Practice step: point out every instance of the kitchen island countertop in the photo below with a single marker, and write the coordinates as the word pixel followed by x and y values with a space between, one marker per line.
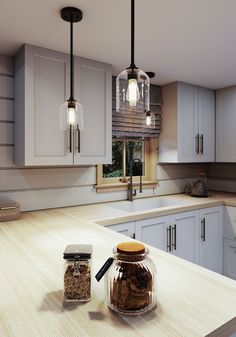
pixel 192 301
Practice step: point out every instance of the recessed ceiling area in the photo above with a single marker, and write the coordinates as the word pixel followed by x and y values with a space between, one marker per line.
pixel 185 40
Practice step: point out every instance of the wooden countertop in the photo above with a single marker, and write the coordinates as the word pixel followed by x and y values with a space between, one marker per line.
pixel 192 301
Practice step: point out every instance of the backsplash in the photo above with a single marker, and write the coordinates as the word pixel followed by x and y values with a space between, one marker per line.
pixel 222 177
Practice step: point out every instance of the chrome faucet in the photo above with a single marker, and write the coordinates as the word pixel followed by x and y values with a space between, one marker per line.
pixel 132 192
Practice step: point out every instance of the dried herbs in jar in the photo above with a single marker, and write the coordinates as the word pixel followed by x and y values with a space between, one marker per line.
pixel 131 280
pixel 77 275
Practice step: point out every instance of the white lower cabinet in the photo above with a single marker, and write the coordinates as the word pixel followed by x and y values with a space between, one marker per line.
pixel 229 220
pixel 196 236
pixel 230 258
pixel 127 228
pixel 211 244
pixel 153 231
pixel 185 239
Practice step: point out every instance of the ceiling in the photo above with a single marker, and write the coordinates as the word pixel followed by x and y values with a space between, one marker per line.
pixel 186 40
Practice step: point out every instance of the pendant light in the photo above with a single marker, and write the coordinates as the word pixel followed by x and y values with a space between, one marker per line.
pixel 148 120
pixel 133 84
pixel 71 111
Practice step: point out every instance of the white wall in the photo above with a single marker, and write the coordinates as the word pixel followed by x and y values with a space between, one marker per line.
pixel 39 188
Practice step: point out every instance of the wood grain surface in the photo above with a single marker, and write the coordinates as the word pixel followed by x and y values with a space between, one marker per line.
pixel 192 301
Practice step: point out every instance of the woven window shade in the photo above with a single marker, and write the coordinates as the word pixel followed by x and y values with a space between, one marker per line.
pixel 129 124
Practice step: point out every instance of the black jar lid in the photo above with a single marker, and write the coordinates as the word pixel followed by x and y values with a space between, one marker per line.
pixel 78 252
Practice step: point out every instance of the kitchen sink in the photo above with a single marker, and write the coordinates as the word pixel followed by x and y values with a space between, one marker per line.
pixel 146 204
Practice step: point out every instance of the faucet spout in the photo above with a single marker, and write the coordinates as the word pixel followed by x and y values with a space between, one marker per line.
pixel 132 192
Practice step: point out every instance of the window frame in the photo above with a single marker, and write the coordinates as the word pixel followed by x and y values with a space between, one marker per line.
pixel 121 183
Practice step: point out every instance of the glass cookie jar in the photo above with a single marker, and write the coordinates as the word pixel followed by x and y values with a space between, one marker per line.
pixel 131 280
pixel 77 273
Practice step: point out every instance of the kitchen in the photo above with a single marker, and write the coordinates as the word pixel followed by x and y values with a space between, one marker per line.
pixel 63 181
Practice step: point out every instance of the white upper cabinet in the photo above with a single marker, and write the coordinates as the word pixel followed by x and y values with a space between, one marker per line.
pixel 225 125
pixel 188 133
pixel 95 93
pixel 41 86
pixel 206 119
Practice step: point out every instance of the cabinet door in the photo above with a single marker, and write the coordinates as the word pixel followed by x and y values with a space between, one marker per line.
pixel 187 123
pixel 153 231
pixel 206 113
pixel 211 235
pixel 41 87
pixel 225 125
pixel 185 242
pixel 96 98
pixel 230 258
pixel 127 228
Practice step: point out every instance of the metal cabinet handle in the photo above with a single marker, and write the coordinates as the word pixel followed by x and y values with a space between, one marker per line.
pixel 201 142
pixel 203 229
pixel 78 140
pixel 168 239
pixel 233 247
pixel 70 139
pixel 197 143
pixel 174 237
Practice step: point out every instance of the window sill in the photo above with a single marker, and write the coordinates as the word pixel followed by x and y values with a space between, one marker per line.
pixel 123 186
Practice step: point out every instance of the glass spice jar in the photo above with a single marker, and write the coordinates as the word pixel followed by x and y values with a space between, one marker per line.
pixel 77 273
pixel 131 280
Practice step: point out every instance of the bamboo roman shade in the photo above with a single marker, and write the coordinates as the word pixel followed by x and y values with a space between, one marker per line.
pixel 130 124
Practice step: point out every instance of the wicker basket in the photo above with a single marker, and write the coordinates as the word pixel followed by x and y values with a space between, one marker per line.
pixel 9 211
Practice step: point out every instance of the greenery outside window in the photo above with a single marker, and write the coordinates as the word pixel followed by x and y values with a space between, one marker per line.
pixel 115 175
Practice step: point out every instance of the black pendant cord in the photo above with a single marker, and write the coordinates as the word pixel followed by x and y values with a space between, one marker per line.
pixel 71 15
pixel 132 65
pixel 71 63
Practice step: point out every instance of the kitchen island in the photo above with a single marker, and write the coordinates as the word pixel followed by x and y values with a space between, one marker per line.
pixel 192 301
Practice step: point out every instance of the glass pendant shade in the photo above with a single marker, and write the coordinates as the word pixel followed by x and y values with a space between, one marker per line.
pixel 148 120
pixel 133 90
pixel 71 115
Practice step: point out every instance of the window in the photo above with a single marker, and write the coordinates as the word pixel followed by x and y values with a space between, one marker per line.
pixel 115 175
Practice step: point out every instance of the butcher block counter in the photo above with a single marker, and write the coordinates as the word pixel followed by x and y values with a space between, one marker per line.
pixel 192 301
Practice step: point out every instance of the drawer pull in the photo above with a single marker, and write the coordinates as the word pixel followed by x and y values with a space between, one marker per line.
pixel 174 237
pixel 197 144
pixel 201 141
pixel 7 207
pixel 168 239
pixel 203 229
pixel 70 139
pixel 78 139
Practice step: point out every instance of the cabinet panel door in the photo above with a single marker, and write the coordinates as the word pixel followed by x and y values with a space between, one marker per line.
pixel 230 258
pixel 47 88
pixel 96 98
pixel 206 112
pixel 225 125
pixel 211 249
pixel 187 128
pixel 153 231
pixel 127 228
pixel 186 242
